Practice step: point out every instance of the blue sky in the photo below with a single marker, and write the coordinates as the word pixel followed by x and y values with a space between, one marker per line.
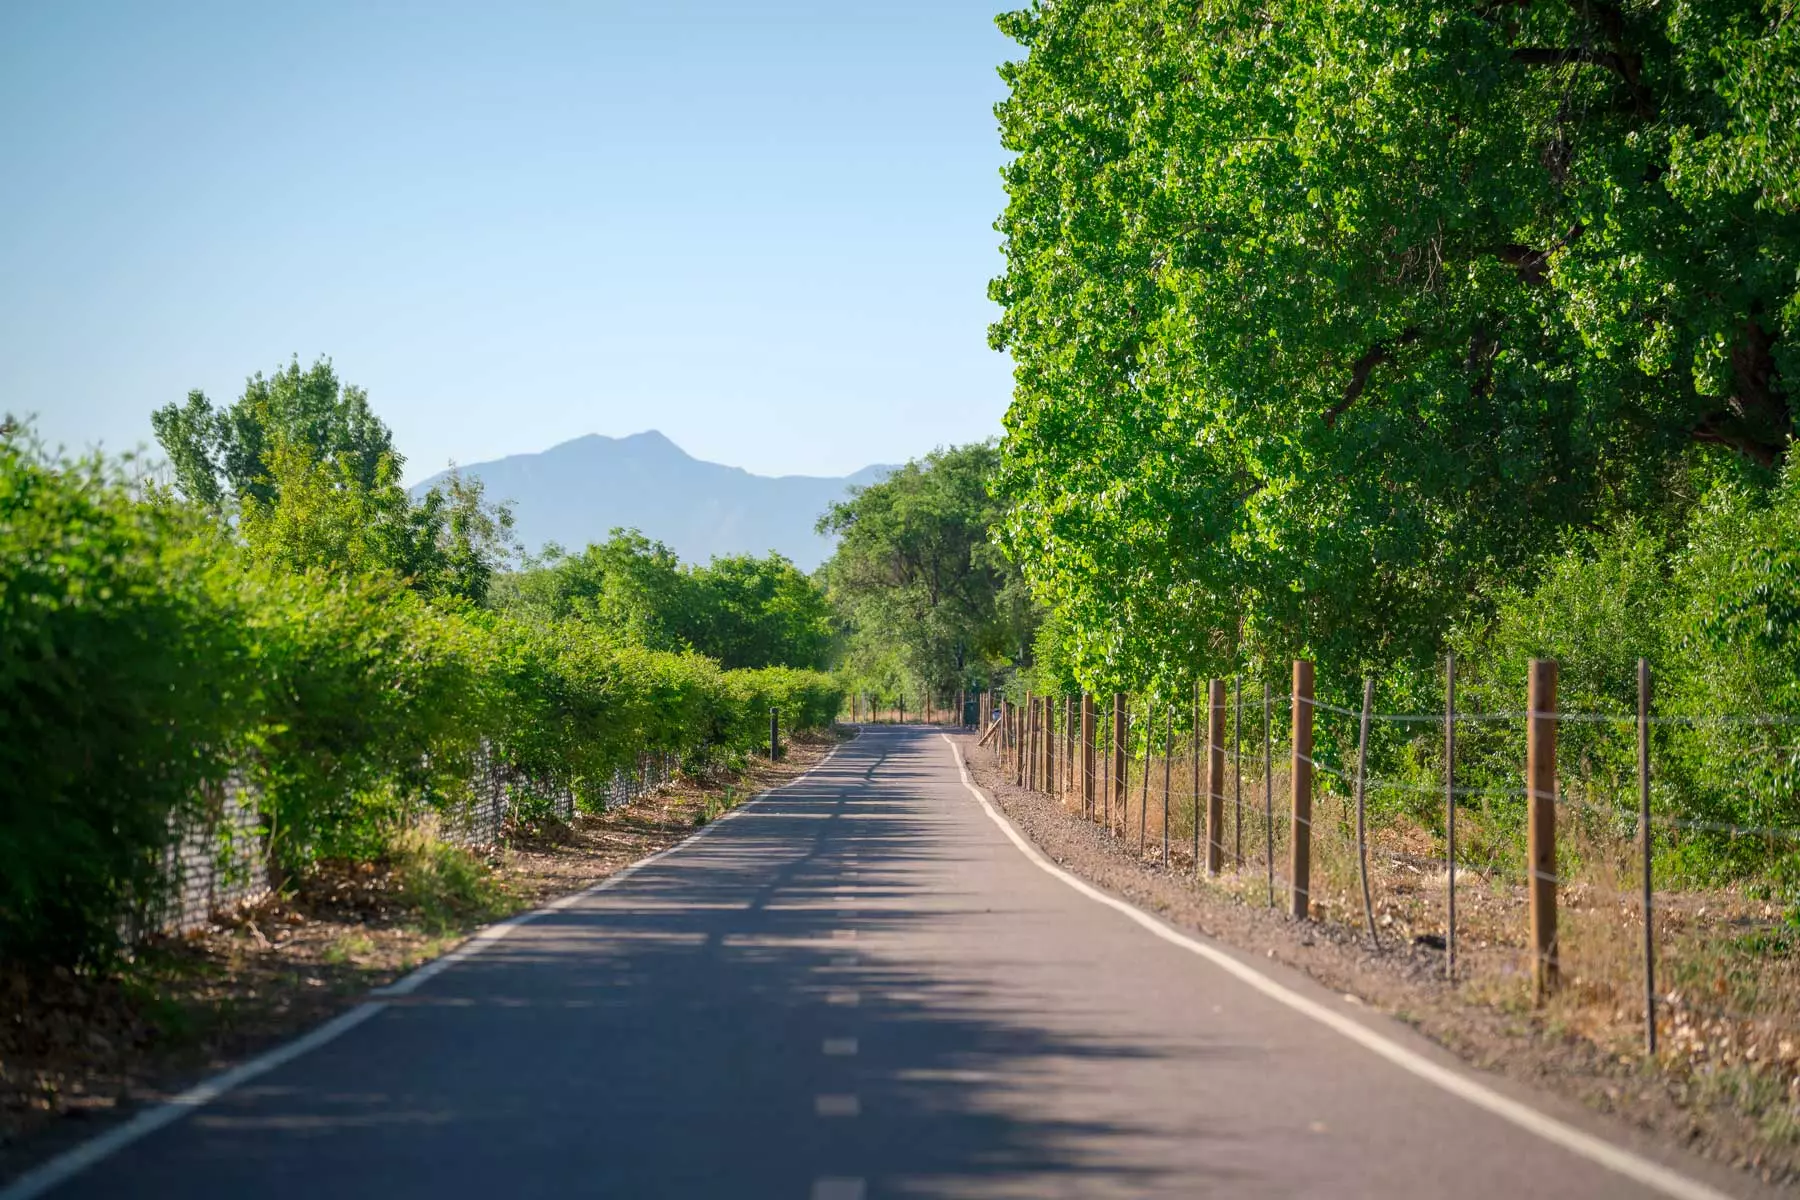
pixel 763 228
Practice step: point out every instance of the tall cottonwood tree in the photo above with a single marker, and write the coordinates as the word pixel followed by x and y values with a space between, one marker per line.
pixel 1326 313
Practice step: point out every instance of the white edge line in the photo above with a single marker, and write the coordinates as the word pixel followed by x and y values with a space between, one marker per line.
pixel 70 1163
pixel 1596 1150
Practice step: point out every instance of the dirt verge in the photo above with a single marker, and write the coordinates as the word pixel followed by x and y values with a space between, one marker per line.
pixel 79 1051
pixel 1405 980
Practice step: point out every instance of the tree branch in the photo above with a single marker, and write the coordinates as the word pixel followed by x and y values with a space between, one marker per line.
pixel 1360 370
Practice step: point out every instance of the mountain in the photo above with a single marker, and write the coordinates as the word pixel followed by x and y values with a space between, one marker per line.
pixel 578 492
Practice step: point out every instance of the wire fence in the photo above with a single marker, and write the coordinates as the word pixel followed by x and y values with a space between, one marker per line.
pixel 1448 868
pixel 218 855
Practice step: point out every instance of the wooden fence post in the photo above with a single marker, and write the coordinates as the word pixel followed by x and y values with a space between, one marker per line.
pixel 1049 745
pixel 1540 787
pixel 774 734
pixel 1300 857
pixel 1215 776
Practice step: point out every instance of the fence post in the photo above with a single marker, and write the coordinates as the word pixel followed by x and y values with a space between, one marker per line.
pixel 1362 826
pixel 1269 791
pixel 1144 793
pixel 1087 755
pixel 774 734
pixel 1168 765
pixel 1032 704
pixel 1115 801
pixel 1049 771
pixel 1199 724
pixel 1071 726
pixel 1643 732
pixel 1215 776
pixel 1450 810
pixel 1300 863
pixel 1237 769
pixel 1540 786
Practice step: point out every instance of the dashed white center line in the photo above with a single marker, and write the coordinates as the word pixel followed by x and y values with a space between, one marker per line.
pixel 842 996
pixel 837 1104
pixel 838 1189
pixel 843 935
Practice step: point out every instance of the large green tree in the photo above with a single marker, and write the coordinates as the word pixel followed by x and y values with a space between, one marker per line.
pixel 1326 315
pixel 315 479
pixel 928 595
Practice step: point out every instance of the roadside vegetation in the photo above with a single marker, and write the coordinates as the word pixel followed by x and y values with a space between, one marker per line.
pixel 285 613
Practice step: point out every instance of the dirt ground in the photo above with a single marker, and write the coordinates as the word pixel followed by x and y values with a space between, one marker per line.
pixel 79 1052
pixel 1719 1112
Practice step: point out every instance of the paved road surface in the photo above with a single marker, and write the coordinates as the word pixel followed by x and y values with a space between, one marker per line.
pixel 858 987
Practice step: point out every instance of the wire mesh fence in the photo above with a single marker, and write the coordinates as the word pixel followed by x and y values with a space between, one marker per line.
pixel 218 856
pixel 1439 864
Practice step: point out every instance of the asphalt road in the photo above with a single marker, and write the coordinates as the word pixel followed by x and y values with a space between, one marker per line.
pixel 857 987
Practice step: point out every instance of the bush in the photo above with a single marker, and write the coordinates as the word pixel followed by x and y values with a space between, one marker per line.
pixel 124 679
pixel 144 656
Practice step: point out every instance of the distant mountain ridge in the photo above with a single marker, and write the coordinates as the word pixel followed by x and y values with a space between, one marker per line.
pixel 577 492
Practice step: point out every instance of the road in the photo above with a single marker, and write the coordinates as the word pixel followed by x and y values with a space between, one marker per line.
pixel 857 987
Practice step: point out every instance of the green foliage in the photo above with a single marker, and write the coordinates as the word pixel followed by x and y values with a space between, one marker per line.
pixel 741 610
pixel 929 599
pixel 1714 615
pixel 147 651
pixel 1329 316
pixel 220 452
pixel 124 677
pixel 316 480
pixel 1359 332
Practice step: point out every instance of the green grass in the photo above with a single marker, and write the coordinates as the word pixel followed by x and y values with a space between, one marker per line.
pixel 446 887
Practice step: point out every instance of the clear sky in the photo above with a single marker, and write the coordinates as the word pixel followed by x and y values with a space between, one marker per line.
pixel 762 228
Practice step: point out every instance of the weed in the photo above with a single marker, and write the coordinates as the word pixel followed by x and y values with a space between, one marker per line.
pixel 445 886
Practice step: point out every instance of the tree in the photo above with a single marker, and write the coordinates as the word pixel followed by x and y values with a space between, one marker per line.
pixel 1328 315
pixel 924 588
pixel 219 452
pixel 760 612
pixel 742 611
pixel 316 481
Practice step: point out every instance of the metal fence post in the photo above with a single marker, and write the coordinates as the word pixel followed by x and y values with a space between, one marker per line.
pixel 1215 777
pixel 1116 793
pixel 1362 827
pixel 1540 785
pixel 1643 732
pixel 1269 791
pixel 1300 860
pixel 1144 793
pixel 1199 724
pixel 1087 754
pixel 1168 761
pixel 1450 810
pixel 1237 769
